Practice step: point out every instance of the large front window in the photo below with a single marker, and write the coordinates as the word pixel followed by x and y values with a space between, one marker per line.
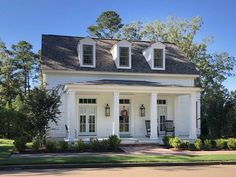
pixel 158 58
pixel 88 54
pixel 124 56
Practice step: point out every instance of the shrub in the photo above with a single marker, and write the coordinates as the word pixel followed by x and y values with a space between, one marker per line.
pixel 185 145
pixel 36 144
pixel 221 143
pixel 63 146
pixel 198 144
pixel 99 146
pixel 114 142
pixel 20 143
pixel 51 146
pixel 166 140
pixel 79 145
pixel 207 144
pixel 175 142
pixel 231 144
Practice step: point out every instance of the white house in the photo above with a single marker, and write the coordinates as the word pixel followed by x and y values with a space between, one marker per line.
pixel 113 87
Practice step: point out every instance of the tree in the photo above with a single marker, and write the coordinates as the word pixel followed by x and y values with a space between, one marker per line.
pixel 25 61
pixel 131 31
pixel 108 24
pixel 42 107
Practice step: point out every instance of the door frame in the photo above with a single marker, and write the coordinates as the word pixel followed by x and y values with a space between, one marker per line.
pixel 158 115
pixel 78 116
pixel 130 98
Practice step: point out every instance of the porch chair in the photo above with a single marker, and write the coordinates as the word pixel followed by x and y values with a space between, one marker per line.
pixel 148 128
pixel 169 127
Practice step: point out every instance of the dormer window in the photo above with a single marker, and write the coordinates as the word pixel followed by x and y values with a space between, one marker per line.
pixel 87 52
pixel 121 53
pixel 158 58
pixel 124 56
pixel 155 56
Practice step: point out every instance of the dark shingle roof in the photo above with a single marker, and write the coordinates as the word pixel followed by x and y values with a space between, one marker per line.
pixel 60 53
pixel 125 83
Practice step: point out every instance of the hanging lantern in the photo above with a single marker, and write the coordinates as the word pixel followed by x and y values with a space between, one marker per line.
pixel 142 111
pixel 107 110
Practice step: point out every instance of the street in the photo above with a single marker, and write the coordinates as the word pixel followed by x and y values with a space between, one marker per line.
pixel 181 171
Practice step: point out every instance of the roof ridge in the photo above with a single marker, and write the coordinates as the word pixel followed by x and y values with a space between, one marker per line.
pixel 96 38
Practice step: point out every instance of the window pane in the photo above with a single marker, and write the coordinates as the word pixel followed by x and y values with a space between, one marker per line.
pixel 158 58
pixel 88 54
pixel 124 56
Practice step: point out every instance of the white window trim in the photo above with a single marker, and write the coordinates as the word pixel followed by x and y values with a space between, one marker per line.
pixel 164 59
pixel 87 41
pixel 118 54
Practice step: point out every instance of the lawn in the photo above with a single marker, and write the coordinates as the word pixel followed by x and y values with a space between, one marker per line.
pixel 6 148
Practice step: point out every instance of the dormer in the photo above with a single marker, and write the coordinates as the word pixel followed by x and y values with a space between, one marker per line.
pixel 121 53
pixel 87 52
pixel 155 56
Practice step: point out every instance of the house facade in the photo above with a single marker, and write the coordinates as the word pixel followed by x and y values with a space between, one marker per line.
pixel 112 87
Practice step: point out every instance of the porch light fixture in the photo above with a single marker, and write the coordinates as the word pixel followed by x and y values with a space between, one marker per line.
pixel 142 111
pixel 107 110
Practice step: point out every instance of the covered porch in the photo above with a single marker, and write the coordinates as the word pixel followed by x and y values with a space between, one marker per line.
pixel 102 108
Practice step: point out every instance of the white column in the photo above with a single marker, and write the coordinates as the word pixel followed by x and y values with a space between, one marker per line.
pixel 153 115
pixel 115 113
pixel 176 114
pixel 192 120
pixel 71 116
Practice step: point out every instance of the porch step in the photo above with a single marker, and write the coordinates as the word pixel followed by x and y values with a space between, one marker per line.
pixel 132 141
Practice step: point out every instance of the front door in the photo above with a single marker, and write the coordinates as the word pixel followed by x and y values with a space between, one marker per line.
pixel 87 118
pixel 161 115
pixel 124 116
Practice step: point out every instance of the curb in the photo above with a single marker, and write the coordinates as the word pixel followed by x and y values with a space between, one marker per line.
pixel 112 165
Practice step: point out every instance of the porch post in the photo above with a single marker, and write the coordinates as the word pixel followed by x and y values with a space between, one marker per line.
pixel 115 113
pixel 153 115
pixel 192 120
pixel 71 115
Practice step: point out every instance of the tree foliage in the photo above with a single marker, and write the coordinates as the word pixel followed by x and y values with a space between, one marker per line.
pixel 108 24
pixel 42 108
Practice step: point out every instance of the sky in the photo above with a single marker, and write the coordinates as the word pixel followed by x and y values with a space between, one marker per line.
pixel 29 19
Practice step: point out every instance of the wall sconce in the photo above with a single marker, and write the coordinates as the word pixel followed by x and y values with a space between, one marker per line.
pixel 142 111
pixel 107 110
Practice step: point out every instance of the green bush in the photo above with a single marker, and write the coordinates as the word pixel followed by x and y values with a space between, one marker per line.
pixel 198 144
pixel 231 144
pixel 36 144
pixel 114 142
pixel 63 146
pixel 207 144
pixel 221 143
pixel 175 142
pixel 20 143
pixel 79 145
pixel 99 146
pixel 51 146
pixel 166 140
pixel 185 145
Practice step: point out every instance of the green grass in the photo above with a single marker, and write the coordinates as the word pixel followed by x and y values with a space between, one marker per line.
pixel 117 159
pixel 7 147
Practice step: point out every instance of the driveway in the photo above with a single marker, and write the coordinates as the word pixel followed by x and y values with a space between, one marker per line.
pixel 183 171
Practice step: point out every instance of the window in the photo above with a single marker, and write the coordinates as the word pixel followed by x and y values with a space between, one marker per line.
pixel 158 58
pixel 124 101
pixel 87 54
pixel 124 56
pixel 87 101
pixel 161 101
